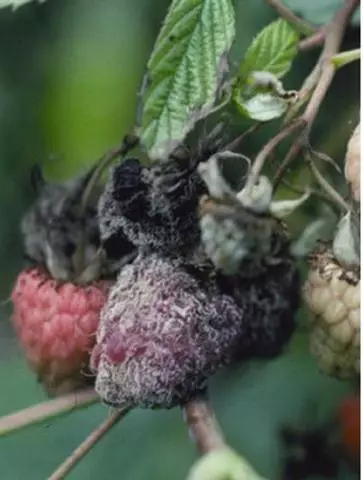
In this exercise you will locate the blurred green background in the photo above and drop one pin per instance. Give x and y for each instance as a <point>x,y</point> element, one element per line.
<point>70,71</point>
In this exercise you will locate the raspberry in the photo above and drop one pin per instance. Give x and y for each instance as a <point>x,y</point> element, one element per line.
<point>223,243</point>
<point>349,421</point>
<point>62,235</point>
<point>167,327</point>
<point>58,301</point>
<point>161,335</point>
<point>352,163</point>
<point>56,325</point>
<point>172,318</point>
<point>155,207</point>
<point>236,239</point>
<point>332,293</point>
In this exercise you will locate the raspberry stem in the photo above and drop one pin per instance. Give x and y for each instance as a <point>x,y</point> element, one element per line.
<point>304,27</point>
<point>128,143</point>
<point>82,450</point>
<point>236,143</point>
<point>333,194</point>
<point>203,426</point>
<point>46,410</point>
<point>316,85</point>
<point>345,58</point>
<point>267,150</point>
<point>314,40</point>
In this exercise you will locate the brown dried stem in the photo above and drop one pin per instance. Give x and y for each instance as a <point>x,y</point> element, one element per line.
<point>81,451</point>
<point>299,23</point>
<point>203,426</point>
<point>47,410</point>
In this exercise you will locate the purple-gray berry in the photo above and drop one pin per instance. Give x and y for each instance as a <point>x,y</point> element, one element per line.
<point>172,318</point>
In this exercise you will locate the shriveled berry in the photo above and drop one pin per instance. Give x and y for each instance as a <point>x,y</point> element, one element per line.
<point>56,326</point>
<point>332,294</point>
<point>224,243</point>
<point>173,316</point>
<point>155,208</point>
<point>237,240</point>
<point>61,234</point>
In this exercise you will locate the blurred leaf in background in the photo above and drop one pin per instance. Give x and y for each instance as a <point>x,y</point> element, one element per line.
<point>15,3</point>
<point>318,12</point>
<point>93,75</point>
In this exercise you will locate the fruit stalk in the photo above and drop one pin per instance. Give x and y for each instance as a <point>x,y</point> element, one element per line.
<point>203,426</point>
<point>82,450</point>
<point>46,410</point>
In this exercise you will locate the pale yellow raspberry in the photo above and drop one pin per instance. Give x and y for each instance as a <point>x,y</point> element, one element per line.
<point>332,295</point>
<point>352,163</point>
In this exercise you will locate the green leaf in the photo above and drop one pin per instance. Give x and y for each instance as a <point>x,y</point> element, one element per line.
<point>15,3</point>
<point>319,11</point>
<point>263,107</point>
<point>273,50</point>
<point>185,71</point>
<point>282,208</point>
<point>261,96</point>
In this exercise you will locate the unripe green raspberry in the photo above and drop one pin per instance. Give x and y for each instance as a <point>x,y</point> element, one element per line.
<point>224,243</point>
<point>223,464</point>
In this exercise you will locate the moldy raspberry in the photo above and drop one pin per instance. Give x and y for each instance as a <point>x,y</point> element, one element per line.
<point>155,208</point>
<point>162,334</point>
<point>172,319</point>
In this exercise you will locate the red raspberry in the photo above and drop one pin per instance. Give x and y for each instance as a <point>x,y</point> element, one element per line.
<point>56,325</point>
<point>349,419</point>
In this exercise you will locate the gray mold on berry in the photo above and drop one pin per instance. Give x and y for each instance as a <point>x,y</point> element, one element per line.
<point>270,300</point>
<point>172,318</point>
<point>57,225</point>
<point>166,328</point>
<point>155,207</point>
<point>163,334</point>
